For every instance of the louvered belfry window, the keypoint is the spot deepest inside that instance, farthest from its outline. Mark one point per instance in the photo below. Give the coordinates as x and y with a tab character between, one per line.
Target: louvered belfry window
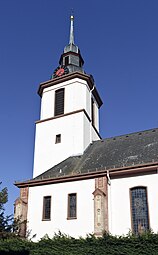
59	102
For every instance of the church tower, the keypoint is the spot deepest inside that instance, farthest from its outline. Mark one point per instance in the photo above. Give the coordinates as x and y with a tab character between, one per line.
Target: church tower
69	119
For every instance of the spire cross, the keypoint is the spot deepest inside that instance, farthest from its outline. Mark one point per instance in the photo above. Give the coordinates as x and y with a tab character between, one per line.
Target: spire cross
71	29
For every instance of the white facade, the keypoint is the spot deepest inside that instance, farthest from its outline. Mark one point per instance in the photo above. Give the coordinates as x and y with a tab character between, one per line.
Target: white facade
119	202
119	208
74	126
81	226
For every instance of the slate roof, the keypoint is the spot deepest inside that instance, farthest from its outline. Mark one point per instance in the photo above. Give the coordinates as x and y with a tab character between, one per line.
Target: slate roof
126	150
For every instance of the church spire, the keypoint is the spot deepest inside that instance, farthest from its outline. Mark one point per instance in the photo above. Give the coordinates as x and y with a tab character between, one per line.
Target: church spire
71	46
71	59
71	41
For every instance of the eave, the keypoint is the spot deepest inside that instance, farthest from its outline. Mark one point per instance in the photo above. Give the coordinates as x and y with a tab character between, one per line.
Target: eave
123	172
70	76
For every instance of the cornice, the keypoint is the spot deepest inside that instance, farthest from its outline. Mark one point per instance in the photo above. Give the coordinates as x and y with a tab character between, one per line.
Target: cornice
70	76
64	115
70	113
115	173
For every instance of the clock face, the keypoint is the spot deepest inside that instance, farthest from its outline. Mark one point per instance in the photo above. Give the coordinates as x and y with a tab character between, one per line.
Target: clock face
59	71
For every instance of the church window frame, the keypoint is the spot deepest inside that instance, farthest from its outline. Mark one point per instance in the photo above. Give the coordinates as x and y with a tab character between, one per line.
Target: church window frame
72	206
59	102
46	215
58	139
140	221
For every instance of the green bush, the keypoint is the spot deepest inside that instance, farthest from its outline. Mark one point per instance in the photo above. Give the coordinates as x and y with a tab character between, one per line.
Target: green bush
61	244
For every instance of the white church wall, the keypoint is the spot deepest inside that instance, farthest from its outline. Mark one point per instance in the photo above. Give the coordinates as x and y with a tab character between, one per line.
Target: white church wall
88	101
74	140
47	104
87	133
83	225
96	119
95	136
119	202
75	98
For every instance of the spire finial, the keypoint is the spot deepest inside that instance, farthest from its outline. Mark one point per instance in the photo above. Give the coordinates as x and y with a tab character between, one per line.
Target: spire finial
71	28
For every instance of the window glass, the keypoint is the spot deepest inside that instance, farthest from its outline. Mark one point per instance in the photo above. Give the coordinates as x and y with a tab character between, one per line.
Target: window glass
139	208
46	207
72	205
58	138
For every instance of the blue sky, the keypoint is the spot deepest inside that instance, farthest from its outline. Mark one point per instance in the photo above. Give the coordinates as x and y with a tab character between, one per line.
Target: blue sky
118	40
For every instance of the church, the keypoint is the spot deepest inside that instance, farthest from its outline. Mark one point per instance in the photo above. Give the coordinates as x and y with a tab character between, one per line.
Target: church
83	184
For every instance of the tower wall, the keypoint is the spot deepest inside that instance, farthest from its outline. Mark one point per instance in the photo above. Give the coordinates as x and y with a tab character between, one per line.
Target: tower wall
77	96
74	126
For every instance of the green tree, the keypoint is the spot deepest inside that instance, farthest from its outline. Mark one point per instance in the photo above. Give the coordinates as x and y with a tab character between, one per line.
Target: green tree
6	222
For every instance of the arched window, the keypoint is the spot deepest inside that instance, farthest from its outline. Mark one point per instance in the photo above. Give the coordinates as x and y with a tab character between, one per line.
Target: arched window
139	209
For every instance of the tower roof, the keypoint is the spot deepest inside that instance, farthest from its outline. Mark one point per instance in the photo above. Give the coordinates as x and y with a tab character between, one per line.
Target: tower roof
71	41
71	46
71	59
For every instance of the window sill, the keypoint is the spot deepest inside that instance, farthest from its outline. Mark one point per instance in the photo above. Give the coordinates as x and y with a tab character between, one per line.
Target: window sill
71	218
46	219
